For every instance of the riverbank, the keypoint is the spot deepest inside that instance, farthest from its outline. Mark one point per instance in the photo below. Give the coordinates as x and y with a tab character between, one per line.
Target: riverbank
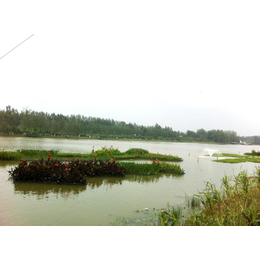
236	203
119	139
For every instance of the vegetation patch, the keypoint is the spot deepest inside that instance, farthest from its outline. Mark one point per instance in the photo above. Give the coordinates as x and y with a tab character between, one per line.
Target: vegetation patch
239	160
247	157
26	154
103	154
77	171
228	155
131	154
236	204
73	172
253	153
151	169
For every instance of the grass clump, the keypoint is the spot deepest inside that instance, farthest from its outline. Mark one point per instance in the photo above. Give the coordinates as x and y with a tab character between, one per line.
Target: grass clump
140	169
26	154
103	154
236	204
228	155
136	151
151	169
253	153
240	160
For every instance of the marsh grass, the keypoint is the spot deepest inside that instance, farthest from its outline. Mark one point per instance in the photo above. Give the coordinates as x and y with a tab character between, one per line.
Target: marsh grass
236	203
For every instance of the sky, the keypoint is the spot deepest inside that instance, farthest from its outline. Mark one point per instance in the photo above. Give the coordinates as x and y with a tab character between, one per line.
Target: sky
183	64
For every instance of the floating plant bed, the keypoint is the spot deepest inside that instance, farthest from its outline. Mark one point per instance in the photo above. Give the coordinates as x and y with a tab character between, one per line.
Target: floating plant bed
151	169
103	154
133	153
73	172
77	172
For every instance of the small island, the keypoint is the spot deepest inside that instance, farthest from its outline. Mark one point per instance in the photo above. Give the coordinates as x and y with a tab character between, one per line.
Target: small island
72	168
237	158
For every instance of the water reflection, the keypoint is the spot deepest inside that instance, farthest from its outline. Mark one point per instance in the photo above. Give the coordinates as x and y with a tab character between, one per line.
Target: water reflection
151	178
93	183
44	190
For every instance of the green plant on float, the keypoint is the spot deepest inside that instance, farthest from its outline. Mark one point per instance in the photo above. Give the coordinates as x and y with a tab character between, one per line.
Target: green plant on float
26	154
239	160
228	155
253	153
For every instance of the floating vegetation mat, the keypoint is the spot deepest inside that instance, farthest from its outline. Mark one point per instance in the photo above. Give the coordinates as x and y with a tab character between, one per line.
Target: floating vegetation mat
77	172
73	172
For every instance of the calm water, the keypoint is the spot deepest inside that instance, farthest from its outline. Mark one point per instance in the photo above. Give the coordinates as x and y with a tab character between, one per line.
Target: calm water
104	200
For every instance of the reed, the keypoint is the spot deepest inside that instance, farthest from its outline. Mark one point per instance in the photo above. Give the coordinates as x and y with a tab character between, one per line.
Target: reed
236	204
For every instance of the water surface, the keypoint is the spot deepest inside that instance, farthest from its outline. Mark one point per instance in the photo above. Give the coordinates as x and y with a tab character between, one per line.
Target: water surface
104	200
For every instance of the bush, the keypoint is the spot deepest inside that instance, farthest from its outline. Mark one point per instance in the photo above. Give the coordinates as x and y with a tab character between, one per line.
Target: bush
136	151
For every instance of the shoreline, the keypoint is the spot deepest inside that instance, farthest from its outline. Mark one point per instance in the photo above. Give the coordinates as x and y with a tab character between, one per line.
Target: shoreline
119	139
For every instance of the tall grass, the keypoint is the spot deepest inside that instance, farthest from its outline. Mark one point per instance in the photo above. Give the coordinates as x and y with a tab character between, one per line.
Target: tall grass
237	203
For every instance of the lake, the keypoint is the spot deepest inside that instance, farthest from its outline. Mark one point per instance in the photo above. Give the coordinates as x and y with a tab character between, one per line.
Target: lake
104	201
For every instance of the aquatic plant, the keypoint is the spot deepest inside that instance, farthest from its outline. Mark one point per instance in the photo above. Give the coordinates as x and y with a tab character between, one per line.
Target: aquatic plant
236	204
136	151
151	169
26	154
253	153
64	172
140	169
240	160
103	154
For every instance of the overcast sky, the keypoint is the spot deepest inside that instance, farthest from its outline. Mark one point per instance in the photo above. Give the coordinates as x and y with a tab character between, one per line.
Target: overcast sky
183	64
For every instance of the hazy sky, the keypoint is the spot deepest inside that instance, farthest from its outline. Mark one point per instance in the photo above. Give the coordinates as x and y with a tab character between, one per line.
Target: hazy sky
183	64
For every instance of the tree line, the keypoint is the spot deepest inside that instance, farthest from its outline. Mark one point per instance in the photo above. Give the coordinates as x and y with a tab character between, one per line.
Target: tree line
32	123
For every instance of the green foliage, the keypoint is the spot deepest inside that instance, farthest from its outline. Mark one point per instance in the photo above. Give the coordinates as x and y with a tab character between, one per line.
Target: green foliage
136	151
151	169
140	169
8	155
253	153
35	124
236	204
170	217
227	155
26	154
240	160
